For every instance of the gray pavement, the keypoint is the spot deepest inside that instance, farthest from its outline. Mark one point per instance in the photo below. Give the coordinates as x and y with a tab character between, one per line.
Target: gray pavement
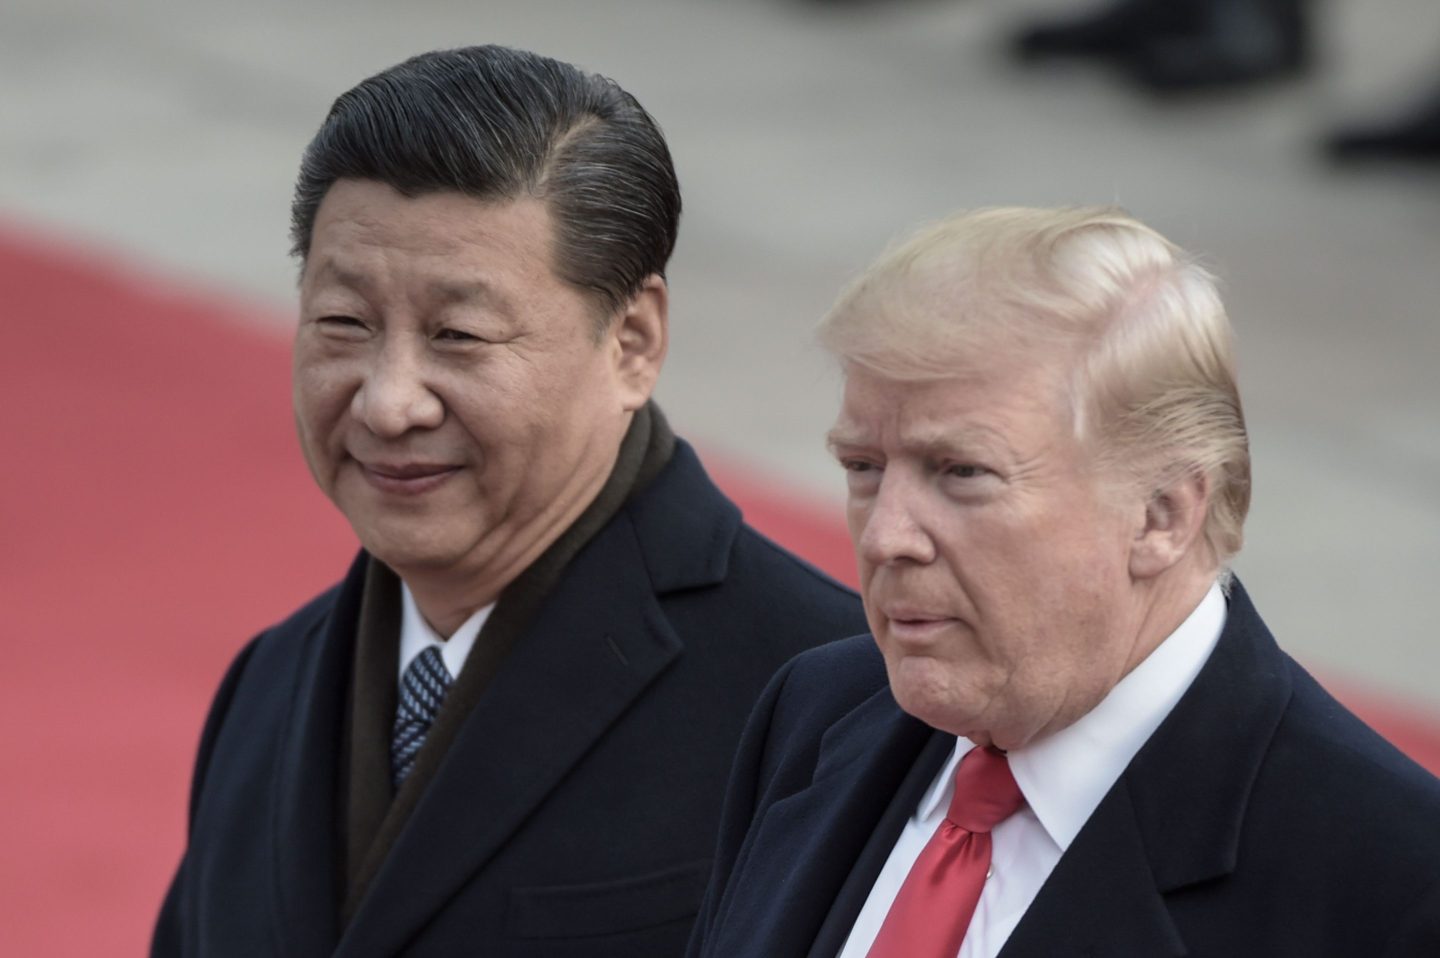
806	137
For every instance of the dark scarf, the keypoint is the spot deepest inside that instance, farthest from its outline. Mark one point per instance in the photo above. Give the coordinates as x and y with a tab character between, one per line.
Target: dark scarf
372	812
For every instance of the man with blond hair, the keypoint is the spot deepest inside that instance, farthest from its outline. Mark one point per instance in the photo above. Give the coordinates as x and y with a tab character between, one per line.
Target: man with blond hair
1070	733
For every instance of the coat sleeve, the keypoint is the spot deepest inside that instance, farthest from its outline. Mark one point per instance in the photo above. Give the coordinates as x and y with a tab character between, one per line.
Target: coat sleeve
169	938
747	776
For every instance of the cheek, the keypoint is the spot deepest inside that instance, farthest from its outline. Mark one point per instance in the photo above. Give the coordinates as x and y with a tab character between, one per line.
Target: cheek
321	397
514	393
865	574
872	618
323	385
1070	634
857	515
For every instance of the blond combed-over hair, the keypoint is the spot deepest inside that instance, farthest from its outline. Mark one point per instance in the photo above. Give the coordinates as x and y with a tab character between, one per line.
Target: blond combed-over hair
1151	373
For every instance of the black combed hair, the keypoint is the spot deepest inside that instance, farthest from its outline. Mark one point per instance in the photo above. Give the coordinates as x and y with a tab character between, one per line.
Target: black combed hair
496	123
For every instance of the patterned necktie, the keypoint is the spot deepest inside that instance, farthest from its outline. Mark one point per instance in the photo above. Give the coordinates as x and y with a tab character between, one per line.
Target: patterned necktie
932	911
422	689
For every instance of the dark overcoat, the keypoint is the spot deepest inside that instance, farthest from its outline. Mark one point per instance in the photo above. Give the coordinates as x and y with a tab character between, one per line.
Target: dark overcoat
575	812
1260	820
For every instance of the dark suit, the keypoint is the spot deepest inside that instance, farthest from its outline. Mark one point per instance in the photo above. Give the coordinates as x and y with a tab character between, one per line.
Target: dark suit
575	811
1261	819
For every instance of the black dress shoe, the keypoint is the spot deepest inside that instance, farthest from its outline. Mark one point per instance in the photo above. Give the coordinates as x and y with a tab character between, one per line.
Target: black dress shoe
1414	136
1240	42
1183	45
1113	31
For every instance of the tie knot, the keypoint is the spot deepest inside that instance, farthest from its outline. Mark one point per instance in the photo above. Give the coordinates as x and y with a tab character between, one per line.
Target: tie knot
985	791
422	690
425	681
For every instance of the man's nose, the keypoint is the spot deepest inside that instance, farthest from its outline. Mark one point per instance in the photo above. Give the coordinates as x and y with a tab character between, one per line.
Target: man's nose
892	524
396	395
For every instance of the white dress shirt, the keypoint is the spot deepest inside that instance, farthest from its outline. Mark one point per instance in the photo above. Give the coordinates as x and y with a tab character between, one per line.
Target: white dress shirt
1063	776
416	636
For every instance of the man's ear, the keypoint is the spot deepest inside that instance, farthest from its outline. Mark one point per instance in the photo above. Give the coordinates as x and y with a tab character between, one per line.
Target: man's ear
1173	525
639	339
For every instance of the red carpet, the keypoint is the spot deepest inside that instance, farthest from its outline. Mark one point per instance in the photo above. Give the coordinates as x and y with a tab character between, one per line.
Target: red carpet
155	513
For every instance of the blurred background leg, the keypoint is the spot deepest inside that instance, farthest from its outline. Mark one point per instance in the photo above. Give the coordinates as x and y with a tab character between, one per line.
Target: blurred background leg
1180	45
1411	135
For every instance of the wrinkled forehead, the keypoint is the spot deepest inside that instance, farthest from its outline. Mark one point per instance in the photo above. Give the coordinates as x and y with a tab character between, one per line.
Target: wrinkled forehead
973	405
929	326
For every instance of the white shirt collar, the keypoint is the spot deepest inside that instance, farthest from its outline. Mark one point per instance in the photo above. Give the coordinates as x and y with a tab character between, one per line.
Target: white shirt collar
416	635
1064	776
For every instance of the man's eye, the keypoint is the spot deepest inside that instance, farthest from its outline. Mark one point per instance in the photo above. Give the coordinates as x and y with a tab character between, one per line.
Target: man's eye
862	476
348	325
456	336
965	470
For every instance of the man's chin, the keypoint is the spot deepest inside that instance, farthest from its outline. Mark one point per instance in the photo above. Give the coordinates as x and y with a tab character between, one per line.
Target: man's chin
935	707
407	554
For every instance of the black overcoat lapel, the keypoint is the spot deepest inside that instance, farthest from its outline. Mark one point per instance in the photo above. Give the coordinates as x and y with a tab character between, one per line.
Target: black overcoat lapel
813	837
599	641
304	832
840	919
1101	900
1173	820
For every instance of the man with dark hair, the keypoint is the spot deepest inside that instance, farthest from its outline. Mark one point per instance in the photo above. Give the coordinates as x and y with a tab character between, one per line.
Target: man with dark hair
507	731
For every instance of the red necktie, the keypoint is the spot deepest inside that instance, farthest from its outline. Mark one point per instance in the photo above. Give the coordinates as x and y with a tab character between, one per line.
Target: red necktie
933	908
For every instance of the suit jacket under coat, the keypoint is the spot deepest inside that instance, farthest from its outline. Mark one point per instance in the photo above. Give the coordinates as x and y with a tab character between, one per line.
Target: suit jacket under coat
1260	819
575	812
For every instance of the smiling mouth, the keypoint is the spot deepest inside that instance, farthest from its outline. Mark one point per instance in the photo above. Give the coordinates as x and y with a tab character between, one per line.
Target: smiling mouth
407	479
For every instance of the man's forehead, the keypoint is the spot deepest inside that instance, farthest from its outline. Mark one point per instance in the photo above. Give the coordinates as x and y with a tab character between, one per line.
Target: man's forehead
363	274
434	222
979	407
446	247
333	269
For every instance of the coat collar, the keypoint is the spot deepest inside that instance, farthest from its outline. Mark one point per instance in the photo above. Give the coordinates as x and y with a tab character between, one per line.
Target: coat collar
599	640
373	813
684	525
840	919
1192	781
814	837
305	837
1174	818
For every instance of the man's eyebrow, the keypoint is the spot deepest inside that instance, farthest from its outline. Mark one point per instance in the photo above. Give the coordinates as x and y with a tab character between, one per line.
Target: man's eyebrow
442	292
339	274
842	436
933	444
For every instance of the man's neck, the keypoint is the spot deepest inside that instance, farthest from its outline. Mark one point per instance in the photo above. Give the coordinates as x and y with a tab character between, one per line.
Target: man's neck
447	598
1166	601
